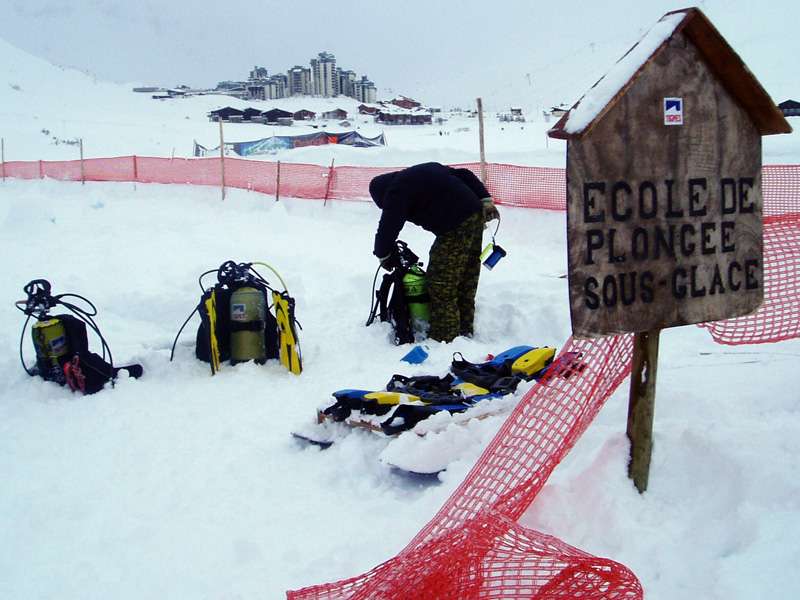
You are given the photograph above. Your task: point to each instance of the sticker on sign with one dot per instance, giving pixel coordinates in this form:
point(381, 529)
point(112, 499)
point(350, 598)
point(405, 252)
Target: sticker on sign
point(673, 111)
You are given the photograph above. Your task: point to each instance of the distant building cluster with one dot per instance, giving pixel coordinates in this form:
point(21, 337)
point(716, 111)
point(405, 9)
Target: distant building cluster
point(321, 78)
point(399, 111)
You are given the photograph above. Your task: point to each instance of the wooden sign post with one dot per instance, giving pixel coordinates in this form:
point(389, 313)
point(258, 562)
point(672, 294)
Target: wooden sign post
point(664, 201)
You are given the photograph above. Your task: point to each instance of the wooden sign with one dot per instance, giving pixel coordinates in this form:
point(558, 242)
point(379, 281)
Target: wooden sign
point(664, 198)
point(664, 201)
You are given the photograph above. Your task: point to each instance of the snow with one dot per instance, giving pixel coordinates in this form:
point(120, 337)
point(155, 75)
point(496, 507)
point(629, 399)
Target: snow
point(183, 485)
point(597, 98)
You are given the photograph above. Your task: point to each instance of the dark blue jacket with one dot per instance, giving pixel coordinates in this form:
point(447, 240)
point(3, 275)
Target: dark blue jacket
point(435, 197)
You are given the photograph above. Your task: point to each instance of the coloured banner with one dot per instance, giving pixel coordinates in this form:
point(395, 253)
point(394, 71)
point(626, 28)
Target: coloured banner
point(273, 144)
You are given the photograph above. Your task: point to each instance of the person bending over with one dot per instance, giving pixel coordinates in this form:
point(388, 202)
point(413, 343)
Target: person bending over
point(454, 205)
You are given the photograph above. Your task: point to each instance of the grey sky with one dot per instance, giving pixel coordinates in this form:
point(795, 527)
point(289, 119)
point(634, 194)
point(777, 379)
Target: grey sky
point(508, 51)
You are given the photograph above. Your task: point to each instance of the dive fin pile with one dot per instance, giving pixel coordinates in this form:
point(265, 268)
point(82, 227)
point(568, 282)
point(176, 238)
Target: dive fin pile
point(408, 403)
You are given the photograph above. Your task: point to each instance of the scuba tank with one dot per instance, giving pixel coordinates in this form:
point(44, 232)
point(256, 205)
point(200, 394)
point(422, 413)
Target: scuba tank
point(50, 344)
point(248, 309)
point(402, 298)
point(415, 289)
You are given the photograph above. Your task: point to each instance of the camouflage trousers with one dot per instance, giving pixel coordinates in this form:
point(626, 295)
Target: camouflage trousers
point(452, 277)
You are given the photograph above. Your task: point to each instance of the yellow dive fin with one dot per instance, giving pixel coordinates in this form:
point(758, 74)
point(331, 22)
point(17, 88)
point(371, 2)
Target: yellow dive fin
point(288, 348)
point(392, 398)
point(533, 361)
point(213, 343)
point(470, 389)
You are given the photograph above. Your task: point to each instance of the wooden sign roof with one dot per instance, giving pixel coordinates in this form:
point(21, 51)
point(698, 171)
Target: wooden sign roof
point(721, 59)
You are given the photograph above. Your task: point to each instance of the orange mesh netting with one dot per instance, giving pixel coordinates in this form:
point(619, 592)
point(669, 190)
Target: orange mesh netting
point(474, 547)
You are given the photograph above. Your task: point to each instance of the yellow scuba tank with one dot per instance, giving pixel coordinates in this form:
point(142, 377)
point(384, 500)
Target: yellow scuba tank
point(248, 309)
point(50, 343)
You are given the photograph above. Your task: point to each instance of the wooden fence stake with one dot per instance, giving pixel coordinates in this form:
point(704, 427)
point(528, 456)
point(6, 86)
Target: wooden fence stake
point(641, 405)
point(480, 134)
point(222, 156)
point(83, 177)
point(3, 156)
point(278, 184)
point(328, 186)
point(41, 170)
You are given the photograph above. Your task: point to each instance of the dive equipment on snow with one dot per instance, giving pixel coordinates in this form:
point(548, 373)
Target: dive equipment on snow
point(248, 307)
point(402, 298)
point(492, 253)
point(50, 344)
point(408, 400)
point(61, 343)
point(288, 350)
point(236, 323)
point(416, 355)
point(415, 289)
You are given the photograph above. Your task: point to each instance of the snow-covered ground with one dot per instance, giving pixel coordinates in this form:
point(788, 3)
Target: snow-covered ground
point(180, 485)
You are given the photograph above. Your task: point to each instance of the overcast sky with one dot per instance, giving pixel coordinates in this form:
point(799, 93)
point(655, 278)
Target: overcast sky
point(445, 52)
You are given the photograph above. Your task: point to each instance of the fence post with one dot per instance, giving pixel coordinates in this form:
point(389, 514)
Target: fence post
point(328, 186)
point(41, 170)
point(480, 136)
point(222, 156)
point(278, 184)
point(83, 178)
point(135, 170)
point(3, 157)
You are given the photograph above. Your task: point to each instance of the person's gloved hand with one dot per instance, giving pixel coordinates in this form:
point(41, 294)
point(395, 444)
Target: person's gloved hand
point(391, 261)
point(489, 210)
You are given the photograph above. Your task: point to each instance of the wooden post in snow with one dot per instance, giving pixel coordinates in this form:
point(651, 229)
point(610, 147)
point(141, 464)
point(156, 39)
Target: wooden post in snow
point(641, 405)
point(481, 139)
point(278, 184)
point(3, 157)
point(83, 176)
point(328, 185)
point(222, 156)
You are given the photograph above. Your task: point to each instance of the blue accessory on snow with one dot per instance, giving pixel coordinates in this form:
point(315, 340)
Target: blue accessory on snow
point(415, 356)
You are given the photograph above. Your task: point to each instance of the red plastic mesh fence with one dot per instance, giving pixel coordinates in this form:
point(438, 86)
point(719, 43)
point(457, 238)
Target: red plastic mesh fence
point(474, 547)
point(778, 318)
point(531, 187)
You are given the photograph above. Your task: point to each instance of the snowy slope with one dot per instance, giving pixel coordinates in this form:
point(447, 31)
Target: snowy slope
point(185, 486)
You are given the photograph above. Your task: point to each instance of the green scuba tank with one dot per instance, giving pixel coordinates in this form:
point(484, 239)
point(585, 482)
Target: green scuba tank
point(248, 310)
point(415, 289)
point(50, 343)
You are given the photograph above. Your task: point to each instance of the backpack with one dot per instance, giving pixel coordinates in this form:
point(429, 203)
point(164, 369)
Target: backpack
point(239, 304)
point(62, 345)
point(394, 304)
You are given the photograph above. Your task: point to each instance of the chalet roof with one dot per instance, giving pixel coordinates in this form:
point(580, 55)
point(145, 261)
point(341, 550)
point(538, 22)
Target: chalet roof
point(277, 112)
point(226, 111)
point(789, 104)
point(721, 59)
point(397, 110)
